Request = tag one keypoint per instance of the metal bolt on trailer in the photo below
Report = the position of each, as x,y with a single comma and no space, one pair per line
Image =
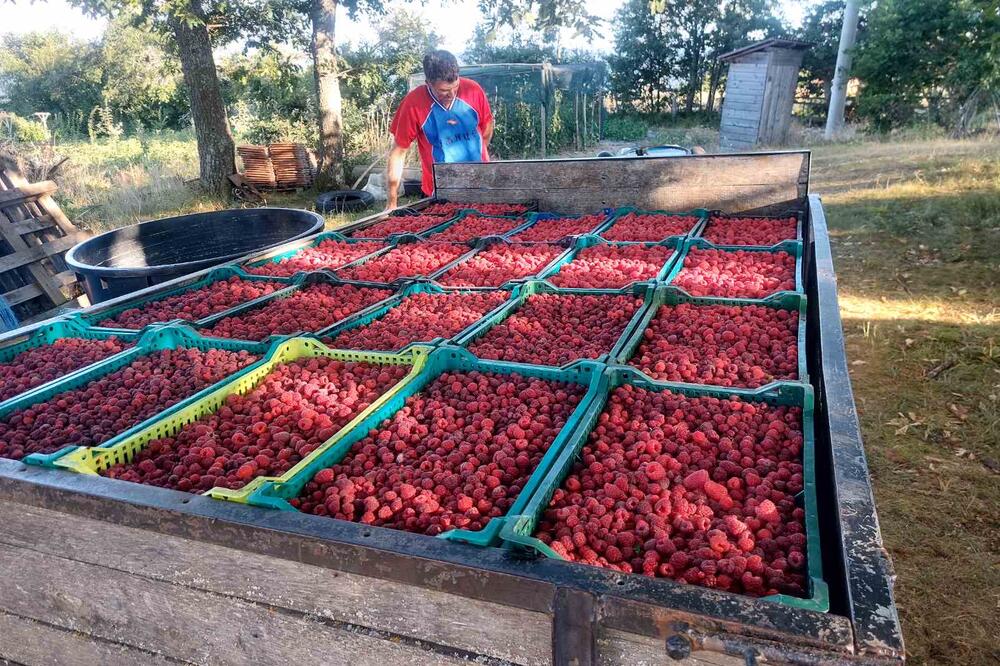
224,581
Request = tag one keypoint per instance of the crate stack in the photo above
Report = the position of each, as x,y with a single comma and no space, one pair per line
640,334
278,166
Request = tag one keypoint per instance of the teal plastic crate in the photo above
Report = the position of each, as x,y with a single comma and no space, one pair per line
301,281
584,242
667,295
486,243
356,231
215,275
275,256
701,213
382,308
535,218
793,248
518,529
167,337
445,359
522,292
800,218
50,333
430,233
405,239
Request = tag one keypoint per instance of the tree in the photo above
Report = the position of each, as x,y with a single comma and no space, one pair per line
933,53
140,80
821,27
49,71
740,22
127,72
645,62
188,22
542,15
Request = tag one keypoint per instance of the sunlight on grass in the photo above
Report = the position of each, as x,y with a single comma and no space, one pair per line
921,309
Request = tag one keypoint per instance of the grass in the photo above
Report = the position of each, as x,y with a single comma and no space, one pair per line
916,235
915,227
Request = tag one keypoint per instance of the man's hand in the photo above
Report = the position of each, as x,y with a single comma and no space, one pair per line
393,176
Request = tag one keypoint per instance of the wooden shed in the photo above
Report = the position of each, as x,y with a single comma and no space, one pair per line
760,90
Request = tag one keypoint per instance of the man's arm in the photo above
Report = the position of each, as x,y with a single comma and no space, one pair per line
488,133
394,175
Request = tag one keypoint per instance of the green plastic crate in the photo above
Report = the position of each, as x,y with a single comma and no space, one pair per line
380,310
518,529
667,295
283,253
701,213
302,280
444,359
406,239
534,218
94,460
791,247
522,292
584,242
356,229
777,246
484,244
50,333
429,233
167,337
215,275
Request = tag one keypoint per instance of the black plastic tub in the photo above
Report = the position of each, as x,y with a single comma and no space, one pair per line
131,258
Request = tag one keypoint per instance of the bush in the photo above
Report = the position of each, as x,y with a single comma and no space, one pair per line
625,128
262,131
21,130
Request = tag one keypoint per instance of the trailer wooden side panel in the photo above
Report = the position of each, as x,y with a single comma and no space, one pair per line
758,183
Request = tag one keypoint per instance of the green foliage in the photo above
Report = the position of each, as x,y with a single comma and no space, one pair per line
21,130
665,50
49,71
377,72
101,124
546,16
933,52
128,71
622,127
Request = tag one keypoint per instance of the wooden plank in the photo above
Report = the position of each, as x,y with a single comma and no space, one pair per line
618,647
493,629
183,623
26,192
27,641
32,224
36,252
29,291
730,182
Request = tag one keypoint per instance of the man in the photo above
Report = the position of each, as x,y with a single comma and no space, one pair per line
449,117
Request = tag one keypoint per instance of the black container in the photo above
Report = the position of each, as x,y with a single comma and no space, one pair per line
131,258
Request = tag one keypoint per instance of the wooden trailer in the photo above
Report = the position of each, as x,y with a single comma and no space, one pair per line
98,571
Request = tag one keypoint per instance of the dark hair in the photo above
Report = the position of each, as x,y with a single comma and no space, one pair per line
440,65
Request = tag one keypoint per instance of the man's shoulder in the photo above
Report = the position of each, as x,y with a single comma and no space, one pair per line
418,97
469,86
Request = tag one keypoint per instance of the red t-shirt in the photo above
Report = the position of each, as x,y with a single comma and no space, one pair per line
443,135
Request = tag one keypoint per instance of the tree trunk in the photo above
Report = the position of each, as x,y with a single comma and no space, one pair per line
328,102
713,83
216,159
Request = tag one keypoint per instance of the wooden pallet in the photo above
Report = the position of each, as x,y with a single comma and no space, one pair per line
34,237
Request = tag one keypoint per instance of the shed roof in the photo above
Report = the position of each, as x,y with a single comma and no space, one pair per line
773,42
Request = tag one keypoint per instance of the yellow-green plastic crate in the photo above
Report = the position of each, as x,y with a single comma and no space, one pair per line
94,460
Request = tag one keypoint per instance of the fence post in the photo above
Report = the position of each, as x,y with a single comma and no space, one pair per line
542,113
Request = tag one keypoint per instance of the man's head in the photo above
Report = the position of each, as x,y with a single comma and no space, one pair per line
441,73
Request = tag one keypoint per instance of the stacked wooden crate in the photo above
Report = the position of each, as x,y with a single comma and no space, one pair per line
282,166
34,236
